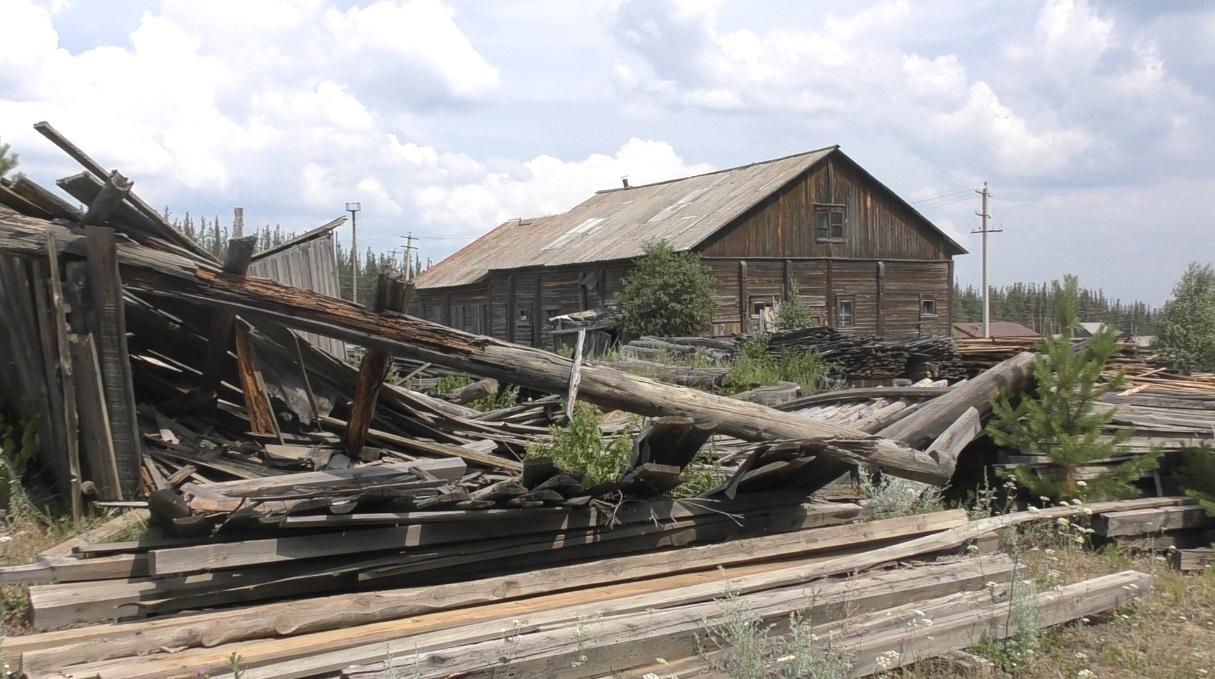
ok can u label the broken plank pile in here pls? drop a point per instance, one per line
(609, 615)
(1184, 526)
(1158, 423)
(857, 357)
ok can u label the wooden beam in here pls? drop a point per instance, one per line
(63, 359)
(392, 294)
(220, 331)
(109, 326)
(106, 203)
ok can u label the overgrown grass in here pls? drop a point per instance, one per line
(581, 448)
(756, 366)
(742, 646)
(891, 497)
(702, 475)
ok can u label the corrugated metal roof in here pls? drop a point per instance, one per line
(617, 223)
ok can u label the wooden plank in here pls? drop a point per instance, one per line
(393, 294)
(220, 330)
(63, 360)
(63, 569)
(1149, 521)
(124, 522)
(257, 401)
(112, 194)
(108, 323)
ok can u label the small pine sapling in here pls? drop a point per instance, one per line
(1063, 419)
(1197, 476)
(581, 448)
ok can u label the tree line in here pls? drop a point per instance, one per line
(1035, 306)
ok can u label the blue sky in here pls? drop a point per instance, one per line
(1091, 120)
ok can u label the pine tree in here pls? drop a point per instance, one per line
(794, 313)
(1197, 476)
(1062, 418)
(8, 160)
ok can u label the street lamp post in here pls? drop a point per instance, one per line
(353, 209)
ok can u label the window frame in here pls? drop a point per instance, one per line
(928, 300)
(840, 301)
(830, 210)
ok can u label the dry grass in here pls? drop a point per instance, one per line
(1170, 634)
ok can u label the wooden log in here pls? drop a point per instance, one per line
(472, 392)
(958, 435)
(930, 421)
(704, 378)
(46, 200)
(107, 201)
(1149, 521)
(60, 356)
(391, 294)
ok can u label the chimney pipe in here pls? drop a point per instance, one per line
(625, 181)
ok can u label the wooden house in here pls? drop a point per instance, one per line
(861, 256)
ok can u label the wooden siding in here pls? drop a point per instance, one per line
(311, 265)
(877, 225)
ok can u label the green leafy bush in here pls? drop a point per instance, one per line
(667, 293)
(1186, 327)
(754, 365)
(1062, 419)
(580, 447)
(794, 314)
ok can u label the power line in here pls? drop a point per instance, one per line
(984, 215)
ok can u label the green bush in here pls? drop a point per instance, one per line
(754, 365)
(667, 293)
(1186, 328)
(794, 314)
(580, 447)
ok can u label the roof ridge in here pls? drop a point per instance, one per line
(833, 147)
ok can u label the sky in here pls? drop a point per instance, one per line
(1093, 122)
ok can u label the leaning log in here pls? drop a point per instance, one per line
(472, 392)
(169, 274)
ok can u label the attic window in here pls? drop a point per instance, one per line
(829, 223)
(587, 226)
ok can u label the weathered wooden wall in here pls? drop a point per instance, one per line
(311, 265)
(878, 225)
(888, 263)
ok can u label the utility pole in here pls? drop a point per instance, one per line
(409, 248)
(984, 215)
(353, 209)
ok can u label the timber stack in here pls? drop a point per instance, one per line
(315, 520)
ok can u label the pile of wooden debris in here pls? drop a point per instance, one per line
(315, 520)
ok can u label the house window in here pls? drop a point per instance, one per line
(928, 308)
(829, 222)
(844, 314)
(523, 315)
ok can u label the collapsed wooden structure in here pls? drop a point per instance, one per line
(423, 535)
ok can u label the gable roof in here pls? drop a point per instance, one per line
(616, 223)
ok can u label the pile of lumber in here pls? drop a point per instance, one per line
(856, 357)
(1185, 526)
(598, 615)
(1142, 370)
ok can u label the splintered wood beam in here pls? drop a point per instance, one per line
(219, 334)
(109, 326)
(257, 399)
(160, 224)
(116, 189)
(391, 294)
